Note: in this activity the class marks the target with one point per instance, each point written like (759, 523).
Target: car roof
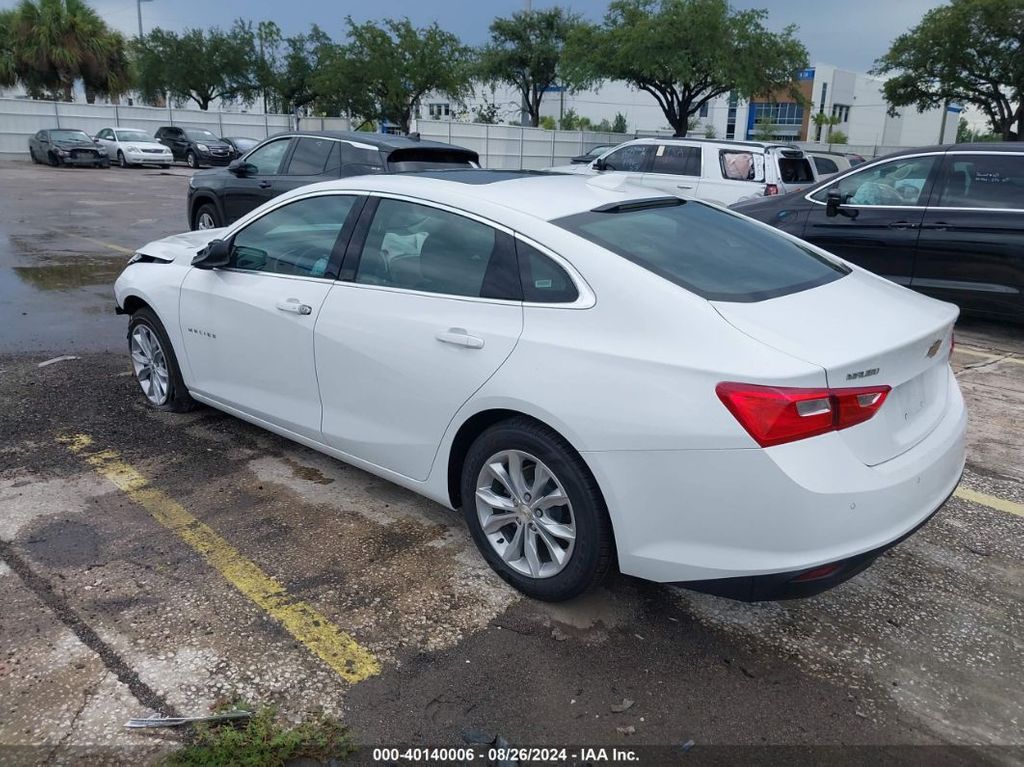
(539, 194)
(380, 140)
(724, 142)
(982, 146)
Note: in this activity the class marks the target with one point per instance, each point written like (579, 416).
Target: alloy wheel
(525, 514)
(150, 364)
(205, 221)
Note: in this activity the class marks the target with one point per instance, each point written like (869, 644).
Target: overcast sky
(849, 33)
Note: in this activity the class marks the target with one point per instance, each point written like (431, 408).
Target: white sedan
(596, 374)
(130, 146)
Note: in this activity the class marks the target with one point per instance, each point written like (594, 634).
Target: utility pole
(138, 5)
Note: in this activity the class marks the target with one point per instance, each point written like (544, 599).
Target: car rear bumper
(709, 515)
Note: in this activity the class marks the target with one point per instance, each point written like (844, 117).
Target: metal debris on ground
(688, 745)
(62, 358)
(627, 730)
(160, 720)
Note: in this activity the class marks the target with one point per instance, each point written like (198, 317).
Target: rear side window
(312, 157)
(544, 281)
(741, 165)
(984, 181)
(717, 255)
(677, 160)
(427, 158)
(825, 166)
(796, 171)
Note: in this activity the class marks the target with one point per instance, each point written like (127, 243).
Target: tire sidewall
(591, 517)
(178, 398)
(191, 160)
(121, 159)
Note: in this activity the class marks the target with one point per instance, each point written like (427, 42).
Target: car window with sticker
(898, 182)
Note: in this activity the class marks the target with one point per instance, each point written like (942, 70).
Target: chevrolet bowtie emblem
(934, 348)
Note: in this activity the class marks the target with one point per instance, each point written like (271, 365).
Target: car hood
(180, 248)
(142, 144)
(580, 169)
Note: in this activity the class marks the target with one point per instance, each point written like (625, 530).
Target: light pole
(138, 4)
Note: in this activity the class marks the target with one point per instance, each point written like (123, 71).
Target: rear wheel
(206, 217)
(155, 365)
(535, 511)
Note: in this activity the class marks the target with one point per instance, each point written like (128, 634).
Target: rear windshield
(719, 256)
(429, 159)
(796, 171)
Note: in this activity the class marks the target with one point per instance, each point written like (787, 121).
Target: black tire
(191, 160)
(593, 553)
(32, 154)
(178, 399)
(121, 159)
(52, 159)
(207, 208)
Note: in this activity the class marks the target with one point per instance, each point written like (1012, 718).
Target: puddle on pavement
(71, 273)
(308, 472)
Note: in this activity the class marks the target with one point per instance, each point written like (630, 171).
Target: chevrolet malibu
(596, 374)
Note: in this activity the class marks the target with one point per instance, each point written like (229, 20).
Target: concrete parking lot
(160, 562)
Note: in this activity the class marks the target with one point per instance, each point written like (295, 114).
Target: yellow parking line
(101, 243)
(999, 504)
(350, 660)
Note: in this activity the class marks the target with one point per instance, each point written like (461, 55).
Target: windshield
(719, 256)
(69, 135)
(133, 135)
(200, 135)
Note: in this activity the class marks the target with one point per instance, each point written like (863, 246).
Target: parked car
(855, 159)
(196, 146)
(591, 374)
(240, 145)
(130, 146)
(828, 163)
(66, 146)
(716, 171)
(592, 154)
(945, 220)
(290, 160)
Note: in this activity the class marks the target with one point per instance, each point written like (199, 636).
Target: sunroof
(482, 176)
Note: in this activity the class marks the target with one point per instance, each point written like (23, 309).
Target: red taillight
(770, 189)
(774, 415)
(817, 573)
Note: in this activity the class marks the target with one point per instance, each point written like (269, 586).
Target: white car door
(427, 314)
(105, 138)
(676, 169)
(631, 161)
(248, 327)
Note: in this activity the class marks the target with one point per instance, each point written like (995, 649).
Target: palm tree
(57, 42)
(8, 73)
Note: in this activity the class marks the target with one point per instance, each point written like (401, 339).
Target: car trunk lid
(864, 332)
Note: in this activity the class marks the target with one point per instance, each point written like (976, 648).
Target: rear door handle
(902, 225)
(937, 226)
(294, 306)
(683, 186)
(459, 337)
(264, 185)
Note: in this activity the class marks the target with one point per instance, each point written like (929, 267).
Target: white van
(722, 172)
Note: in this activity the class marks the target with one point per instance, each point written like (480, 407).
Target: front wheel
(191, 160)
(122, 160)
(535, 511)
(206, 217)
(155, 365)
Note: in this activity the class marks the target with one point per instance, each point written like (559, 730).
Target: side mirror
(599, 165)
(214, 255)
(833, 202)
(240, 168)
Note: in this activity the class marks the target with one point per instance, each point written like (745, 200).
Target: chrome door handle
(683, 186)
(294, 306)
(459, 337)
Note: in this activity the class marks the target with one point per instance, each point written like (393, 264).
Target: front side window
(266, 161)
(634, 158)
(417, 247)
(897, 182)
(717, 255)
(296, 239)
(677, 160)
(313, 156)
(983, 181)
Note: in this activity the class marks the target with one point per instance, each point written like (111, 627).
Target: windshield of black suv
(717, 255)
(68, 135)
(200, 135)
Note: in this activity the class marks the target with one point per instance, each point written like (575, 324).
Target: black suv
(196, 146)
(284, 162)
(947, 221)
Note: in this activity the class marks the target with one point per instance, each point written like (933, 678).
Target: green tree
(486, 113)
(838, 137)
(619, 123)
(764, 128)
(386, 68)
(823, 120)
(547, 122)
(968, 52)
(687, 52)
(51, 44)
(295, 83)
(525, 51)
(709, 131)
(199, 65)
(8, 67)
